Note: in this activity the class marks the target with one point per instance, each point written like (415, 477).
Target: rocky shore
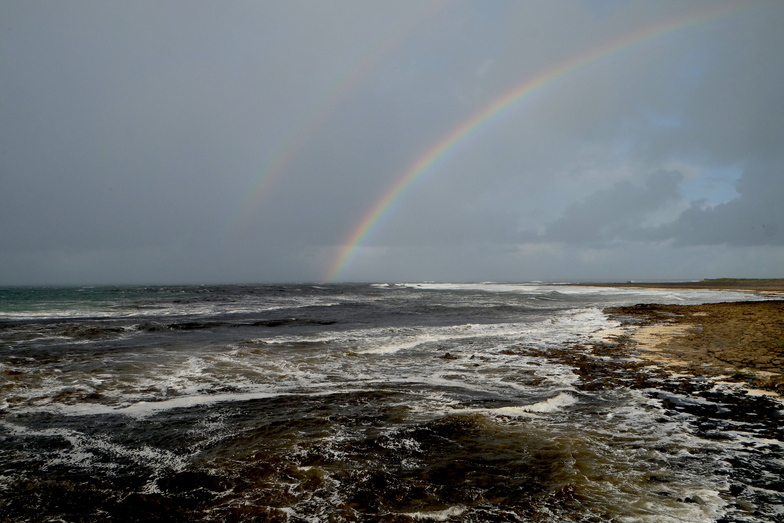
(741, 342)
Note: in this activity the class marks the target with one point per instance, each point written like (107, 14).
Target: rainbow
(271, 172)
(485, 115)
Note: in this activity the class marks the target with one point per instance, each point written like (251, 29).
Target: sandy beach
(741, 342)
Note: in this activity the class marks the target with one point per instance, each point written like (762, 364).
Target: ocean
(366, 402)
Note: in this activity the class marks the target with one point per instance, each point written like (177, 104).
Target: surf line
(274, 168)
(503, 103)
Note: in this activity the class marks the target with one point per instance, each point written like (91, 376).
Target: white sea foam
(558, 402)
(360, 355)
(622, 295)
(169, 310)
(144, 409)
(622, 437)
(437, 515)
(83, 448)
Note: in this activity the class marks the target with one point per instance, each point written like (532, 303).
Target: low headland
(740, 342)
(765, 285)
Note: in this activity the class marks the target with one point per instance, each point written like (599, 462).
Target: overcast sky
(202, 142)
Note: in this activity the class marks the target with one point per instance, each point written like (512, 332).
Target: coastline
(741, 342)
(768, 286)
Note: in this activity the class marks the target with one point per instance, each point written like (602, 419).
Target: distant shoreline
(768, 285)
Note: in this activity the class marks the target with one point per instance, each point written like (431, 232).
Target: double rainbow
(504, 103)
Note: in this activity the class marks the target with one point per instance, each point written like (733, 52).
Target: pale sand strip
(654, 344)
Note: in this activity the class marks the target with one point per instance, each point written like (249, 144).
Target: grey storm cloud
(246, 141)
(618, 213)
(614, 213)
(754, 218)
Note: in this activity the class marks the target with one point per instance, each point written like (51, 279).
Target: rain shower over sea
(354, 403)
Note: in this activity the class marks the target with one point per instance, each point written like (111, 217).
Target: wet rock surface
(743, 340)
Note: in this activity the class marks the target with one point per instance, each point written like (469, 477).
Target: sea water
(376, 402)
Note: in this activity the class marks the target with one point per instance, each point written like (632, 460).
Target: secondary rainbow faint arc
(454, 137)
(320, 109)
